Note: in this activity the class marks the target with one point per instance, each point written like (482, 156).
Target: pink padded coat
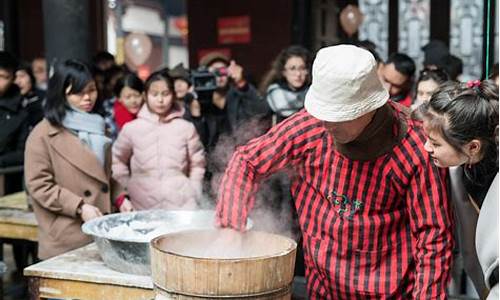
(161, 162)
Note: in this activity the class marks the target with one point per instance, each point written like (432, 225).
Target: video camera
(205, 82)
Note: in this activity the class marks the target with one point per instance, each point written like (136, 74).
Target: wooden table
(17, 200)
(18, 224)
(81, 274)
(16, 221)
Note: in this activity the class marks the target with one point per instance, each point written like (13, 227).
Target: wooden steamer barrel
(204, 264)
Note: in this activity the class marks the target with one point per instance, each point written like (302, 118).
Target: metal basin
(128, 251)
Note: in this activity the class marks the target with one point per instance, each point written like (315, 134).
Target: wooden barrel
(221, 264)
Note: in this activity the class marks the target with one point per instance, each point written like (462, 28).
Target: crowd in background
(101, 139)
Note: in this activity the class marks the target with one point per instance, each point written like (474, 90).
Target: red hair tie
(473, 83)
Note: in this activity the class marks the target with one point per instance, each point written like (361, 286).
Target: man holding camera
(234, 100)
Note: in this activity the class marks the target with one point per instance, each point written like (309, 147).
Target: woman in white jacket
(286, 83)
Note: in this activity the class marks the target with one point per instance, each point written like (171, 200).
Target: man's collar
(378, 137)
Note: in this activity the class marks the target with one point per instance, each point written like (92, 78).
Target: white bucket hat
(344, 85)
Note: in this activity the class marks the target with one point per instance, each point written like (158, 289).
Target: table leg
(2, 184)
(1, 249)
(34, 288)
(1, 280)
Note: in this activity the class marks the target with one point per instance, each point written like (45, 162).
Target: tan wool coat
(60, 173)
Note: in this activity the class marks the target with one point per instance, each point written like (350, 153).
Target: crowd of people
(359, 150)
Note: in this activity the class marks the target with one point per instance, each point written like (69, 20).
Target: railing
(10, 170)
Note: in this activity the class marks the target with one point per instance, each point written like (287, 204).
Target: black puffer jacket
(244, 109)
(14, 128)
(33, 103)
(244, 105)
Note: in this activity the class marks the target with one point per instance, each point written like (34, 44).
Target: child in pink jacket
(158, 157)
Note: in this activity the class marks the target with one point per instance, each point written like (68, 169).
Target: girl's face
(159, 98)
(425, 89)
(181, 88)
(23, 81)
(85, 99)
(441, 152)
(295, 72)
(131, 99)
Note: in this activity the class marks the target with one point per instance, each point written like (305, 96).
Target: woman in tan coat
(67, 162)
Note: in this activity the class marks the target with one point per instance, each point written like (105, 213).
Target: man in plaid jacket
(373, 209)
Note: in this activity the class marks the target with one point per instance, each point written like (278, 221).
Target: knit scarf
(283, 101)
(121, 114)
(90, 130)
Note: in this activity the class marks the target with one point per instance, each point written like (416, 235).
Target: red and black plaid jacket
(372, 230)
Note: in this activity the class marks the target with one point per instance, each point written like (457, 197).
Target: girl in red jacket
(129, 91)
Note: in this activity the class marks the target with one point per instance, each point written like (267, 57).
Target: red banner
(234, 30)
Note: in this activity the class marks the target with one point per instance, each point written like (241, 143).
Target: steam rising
(273, 210)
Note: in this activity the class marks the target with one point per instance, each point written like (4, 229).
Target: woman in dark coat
(33, 97)
(13, 121)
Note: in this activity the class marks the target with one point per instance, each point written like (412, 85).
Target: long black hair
(275, 74)
(70, 77)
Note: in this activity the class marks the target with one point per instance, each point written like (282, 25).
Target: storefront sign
(234, 30)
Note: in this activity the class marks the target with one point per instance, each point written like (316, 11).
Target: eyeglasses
(297, 69)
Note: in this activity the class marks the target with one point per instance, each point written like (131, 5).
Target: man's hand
(229, 236)
(89, 212)
(235, 72)
(195, 108)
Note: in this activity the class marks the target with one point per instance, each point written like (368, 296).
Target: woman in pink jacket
(158, 157)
